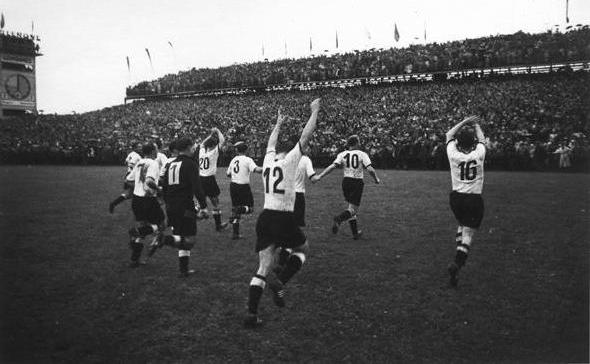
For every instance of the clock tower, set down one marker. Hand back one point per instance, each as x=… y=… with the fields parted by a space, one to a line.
x=17 y=73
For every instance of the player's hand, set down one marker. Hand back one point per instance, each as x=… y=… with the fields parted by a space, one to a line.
x=472 y=119
x=280 y=116
x=377 y=180
x=315 y=179
x=315 y=105
x=203 y=214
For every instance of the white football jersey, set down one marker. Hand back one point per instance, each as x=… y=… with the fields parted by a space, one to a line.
x=162 y=160
x=208 y=161
x=278 y=177
x=240 y=168
x=304 y=171
x=131 y=161
x=466 y=168
x=143 y=169
x=353 y=163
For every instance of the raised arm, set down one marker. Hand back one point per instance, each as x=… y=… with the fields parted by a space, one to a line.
x=451 y=133
x=311 y=123
x=274 y=136
x=220 y=137
x=479 y=133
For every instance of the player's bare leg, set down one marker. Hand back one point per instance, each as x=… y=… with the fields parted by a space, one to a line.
x=237 y=212
x=257 y=284
x=217 y=214
x=293 y=265
x=464 y=238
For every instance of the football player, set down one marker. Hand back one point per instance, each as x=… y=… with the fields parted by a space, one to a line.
x=239 y=170
x=161 y=158
x=208 y=155
x=353 y=161
x=145 y=205
x=276 y=225
x=466 y=152
x=181 y=183
x=304 y=171
x=132 y=158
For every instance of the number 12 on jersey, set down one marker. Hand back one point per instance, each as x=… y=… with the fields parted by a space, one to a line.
x=277 y=175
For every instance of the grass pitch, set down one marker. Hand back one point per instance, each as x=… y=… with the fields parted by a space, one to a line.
x=68 y=296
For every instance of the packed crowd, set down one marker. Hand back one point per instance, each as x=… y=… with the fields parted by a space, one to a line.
x=501 y=50
x=527 y=120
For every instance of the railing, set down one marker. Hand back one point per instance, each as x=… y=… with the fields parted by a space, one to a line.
x=377 y=80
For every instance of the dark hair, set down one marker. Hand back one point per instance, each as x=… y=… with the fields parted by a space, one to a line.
x=148 y=149
x=241 y=147
x=183 y=143
x=352 y=141
x=211 y=142
x=465 y=138
x=172 y=147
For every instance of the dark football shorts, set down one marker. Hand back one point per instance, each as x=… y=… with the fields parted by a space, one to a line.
x=353 y=190
x=210 y=186
x=299 y=209
x=182 y=218
x=468 y=208
x=147 y=209
x=241 y=195
x=278 y=228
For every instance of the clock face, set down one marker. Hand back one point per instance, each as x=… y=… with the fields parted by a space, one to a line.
x=18 y=87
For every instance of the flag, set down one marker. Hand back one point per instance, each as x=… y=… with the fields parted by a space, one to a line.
x=150 y=58
x=128 y=64
x=171 y=46
x=425 y=31
x=336 y=39
x=368 y=33
x=2 y=21
x=396 y=33
x=310 y=45
x=262 y=49
x=285 y=48
x=32 y=27
x=567 y=14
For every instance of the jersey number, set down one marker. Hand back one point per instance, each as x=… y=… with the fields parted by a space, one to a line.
x=278 y=179
x=352 y=161
x=174 y=173
x=204 y=163
x=236 y=166
x=467 y=171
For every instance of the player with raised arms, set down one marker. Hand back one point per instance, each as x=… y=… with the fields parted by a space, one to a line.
x=304 y=171
x=466 y=152
x=132 y=158
x=181 y=183
x=239 y=170
x=145 y=205
x=208 y=155
x=353 y=161
x=276 y=225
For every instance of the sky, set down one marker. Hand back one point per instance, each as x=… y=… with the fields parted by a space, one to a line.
x=85 y=42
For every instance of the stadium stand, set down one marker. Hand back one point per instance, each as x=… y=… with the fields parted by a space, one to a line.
x=528 y=117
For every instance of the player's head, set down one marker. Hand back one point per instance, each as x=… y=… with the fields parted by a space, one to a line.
x=149 y=150
x=466 y=138
x=241 y=147
x=158 y=143
x=137 y=147
x=353 y=142
x=285 y=145
x=211 y=142
x=173 y=148
x=185 y=146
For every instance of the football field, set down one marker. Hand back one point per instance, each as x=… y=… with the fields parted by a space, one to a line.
x=68 y=295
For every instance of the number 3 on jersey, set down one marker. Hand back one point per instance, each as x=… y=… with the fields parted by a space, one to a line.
x=277 y=175
x=467 y=171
